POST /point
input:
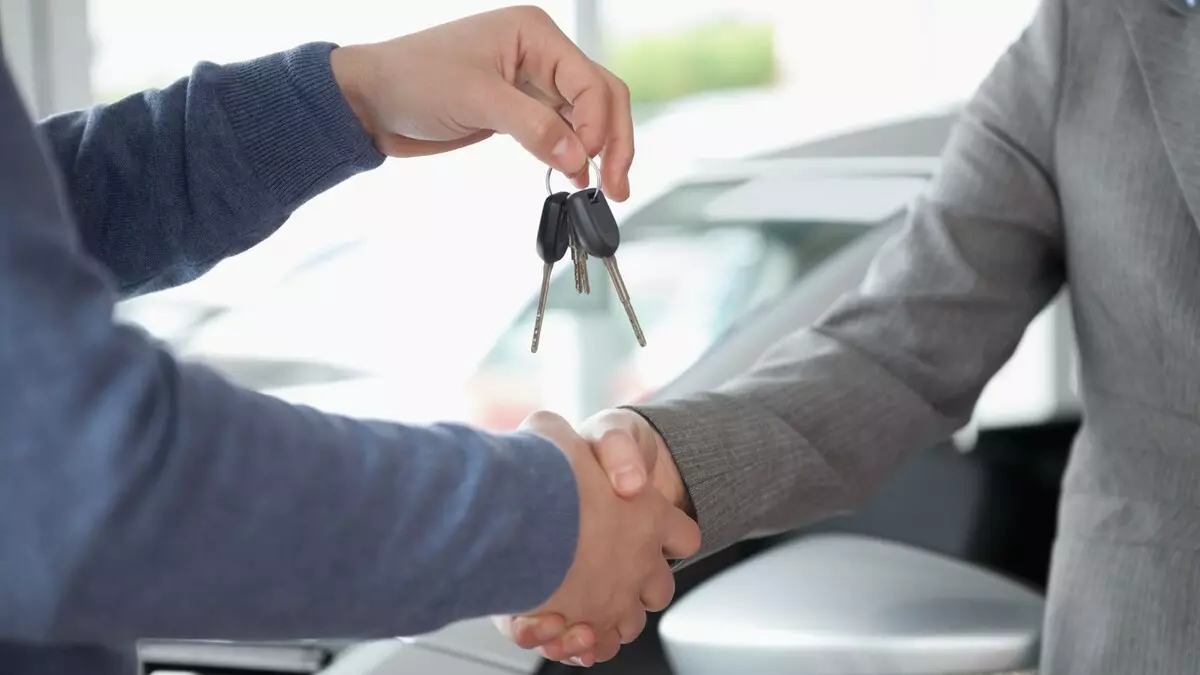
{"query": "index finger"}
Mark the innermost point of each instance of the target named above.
(557, 66)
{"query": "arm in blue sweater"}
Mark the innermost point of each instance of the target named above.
(142, 497)
(166, 183)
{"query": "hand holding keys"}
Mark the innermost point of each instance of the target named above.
(584, 222)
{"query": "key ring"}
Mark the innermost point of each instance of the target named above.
(591, 163)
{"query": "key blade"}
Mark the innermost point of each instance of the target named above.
(618, 283)
(576, 252)
(541, 308)
(583, 272)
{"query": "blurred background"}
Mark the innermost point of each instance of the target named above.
(407, 294)
(778, 145)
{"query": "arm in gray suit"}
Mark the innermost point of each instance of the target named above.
(830, 411)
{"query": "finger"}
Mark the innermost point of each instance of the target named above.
(623, 461)
(579, 640)
(629, 628)
(586, 661)
(607, 646)
(618, 147)
(554, 64)
(554, 101)
(624, 448)
(528, 632)
(658, 590)
(545, 421)
(681, 534)
(537, 127)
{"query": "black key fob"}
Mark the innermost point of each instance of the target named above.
(554, 229)
(594, 223)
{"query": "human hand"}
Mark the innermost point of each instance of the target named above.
(633, 455)
(620, 568)
(509, 71)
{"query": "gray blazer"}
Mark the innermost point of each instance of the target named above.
(1077, 162)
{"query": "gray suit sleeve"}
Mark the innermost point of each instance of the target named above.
(899, 364)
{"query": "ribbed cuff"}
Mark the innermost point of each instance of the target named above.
(293, 124)
(694, 431)
(809, 433)
(741, 467)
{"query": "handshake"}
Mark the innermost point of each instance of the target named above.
(627, 535)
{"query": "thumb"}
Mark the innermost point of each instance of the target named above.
(537, 127)
(624, 449)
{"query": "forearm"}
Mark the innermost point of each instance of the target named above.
(813, 429)
(140, 497)
(166, 183)
(808, 434)
(200, 510)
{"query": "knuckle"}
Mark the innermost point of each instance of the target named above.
(620, 89)
(542, 418)
(616, 441)
(530, 13)
(553, 651)
(546, 128)
(526, 640)
(658, 595)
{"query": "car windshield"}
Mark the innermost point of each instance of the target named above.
(690, 281)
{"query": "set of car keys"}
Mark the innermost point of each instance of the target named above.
(584, 223)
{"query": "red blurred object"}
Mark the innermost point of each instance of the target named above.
(501, 401)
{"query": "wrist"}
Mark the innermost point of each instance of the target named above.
(668, 480)
(352, 72)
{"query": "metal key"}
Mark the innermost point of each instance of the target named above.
(579, 255)
(580, 258)
(594, 224)
(553, 237)
(576, 255)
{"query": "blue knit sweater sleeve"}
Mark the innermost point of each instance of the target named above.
(143, 497)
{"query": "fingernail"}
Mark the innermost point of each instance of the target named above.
(576, 661)
(577, 644)
(560, 148)
(628, 479)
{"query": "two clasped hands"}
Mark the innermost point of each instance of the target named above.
(632, 521)
(512, 71)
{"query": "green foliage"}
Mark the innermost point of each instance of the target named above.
(718, 55)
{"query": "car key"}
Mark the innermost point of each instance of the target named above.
(575, 254)
(594, 224)
(579, 257)
(553, 237)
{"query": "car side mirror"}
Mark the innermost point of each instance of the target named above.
(850, 605)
